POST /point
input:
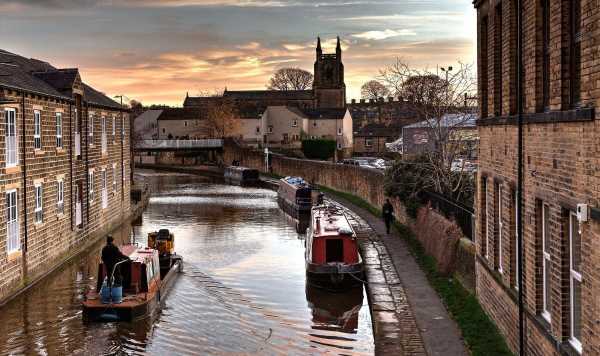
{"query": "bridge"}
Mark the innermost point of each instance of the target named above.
(178, 145)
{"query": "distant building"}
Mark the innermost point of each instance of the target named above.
(64, 167)
(394, 112)
(183, 123)
(145, 126)
(423, 136)
(371, 139)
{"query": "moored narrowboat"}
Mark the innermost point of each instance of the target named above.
(294, 197)
(241, 176)
(332, 257)
(146, 279)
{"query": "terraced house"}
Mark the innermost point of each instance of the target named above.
(64, 153)
(560, 94)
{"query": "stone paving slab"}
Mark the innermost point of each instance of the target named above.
(408, 316)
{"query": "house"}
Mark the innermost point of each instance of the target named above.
(372, 139)
(560, 78)
(64, 168)
(180, 123)
(452, 128)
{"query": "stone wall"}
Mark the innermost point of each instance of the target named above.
(438, 235)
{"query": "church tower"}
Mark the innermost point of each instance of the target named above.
(328, 86)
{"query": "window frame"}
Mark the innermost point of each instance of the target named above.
(59, 130)
(12, 241)
(574, 275)
(37, 130)
(60, 196)
(546, 53)
(295, 123)
(340, 131)
(114, 182)
(91, 193)
(575, 53)
(517, 251)
(546, 264)
(500, 228)
(8, 114)
(91, 127)
(39, 203)
(369, 142)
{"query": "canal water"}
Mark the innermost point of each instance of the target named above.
(242, 291)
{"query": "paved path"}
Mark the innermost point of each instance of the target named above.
(439, 333)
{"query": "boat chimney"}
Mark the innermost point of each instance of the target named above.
(318, 225)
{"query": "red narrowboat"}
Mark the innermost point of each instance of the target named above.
(332, 256)
(146, 279)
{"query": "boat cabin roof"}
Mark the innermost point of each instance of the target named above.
(331, 222)
(138, 254)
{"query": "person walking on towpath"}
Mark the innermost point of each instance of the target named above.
(388, 215)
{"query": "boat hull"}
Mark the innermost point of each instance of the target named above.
(335, 276)
(144, 305)
(299, 213)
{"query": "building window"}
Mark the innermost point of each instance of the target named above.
(486, 219)
(545, 54)
(91, 128)
(164, 131)
(500, 226)
(575, 51)
(91, 186)
(10, 133)
(339, 146)
(483, 31)
(39, 213)
(12, 222)
(103, 190)
(37, 130)
(60, 197)
(368, 142)
(257, 130)
(294, 123)
(339, 131)
(315, 123)
(546, 263)
(114, 127)
(516, 241)
(122, 126)
(103, 134)
(124, 172)
(270, 130)
(498, 60)
(575, 282)
(59, 130)
(114, 175)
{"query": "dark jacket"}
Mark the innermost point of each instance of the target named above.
(110, 256)
(388, 211)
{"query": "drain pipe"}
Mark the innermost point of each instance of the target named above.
(25, 232)
(522, 350)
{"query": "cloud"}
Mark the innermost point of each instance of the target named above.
(382, 35)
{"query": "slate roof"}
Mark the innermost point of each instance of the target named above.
(270, 94)
(450, 120)
(379, 130)
(181, 114)
(39, 77)
(324, 114)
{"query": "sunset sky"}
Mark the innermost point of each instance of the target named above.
(157, 50)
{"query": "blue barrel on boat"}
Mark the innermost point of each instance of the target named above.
(112, 295)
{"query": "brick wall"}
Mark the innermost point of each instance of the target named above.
(560, 153)
(45, 244)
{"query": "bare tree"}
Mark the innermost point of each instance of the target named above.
(222, 117)
(290, 79)
(442, 103)
(374, 90)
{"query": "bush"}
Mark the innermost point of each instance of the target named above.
(318, 149)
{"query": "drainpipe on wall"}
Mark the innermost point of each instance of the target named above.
(87, 162)
(522, 350)
(25, 232)
(70, 151)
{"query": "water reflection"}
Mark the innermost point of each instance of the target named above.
(242, 290)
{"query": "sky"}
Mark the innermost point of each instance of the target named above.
(156, 51)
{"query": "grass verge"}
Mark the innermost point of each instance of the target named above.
(479, 332)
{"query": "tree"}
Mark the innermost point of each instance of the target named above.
(290, 79)
(222, 117)
(374, 90)
(443, 105)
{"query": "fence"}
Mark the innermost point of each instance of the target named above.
(463, 215)
(178, 144)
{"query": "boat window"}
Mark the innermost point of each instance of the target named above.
(335, 250)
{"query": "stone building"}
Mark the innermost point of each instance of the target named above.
(371, 139)
(182, 123)
(64, 168)
(561, 89)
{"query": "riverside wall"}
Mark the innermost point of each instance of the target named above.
(439, 236)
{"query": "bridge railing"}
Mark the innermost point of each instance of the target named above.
(178, 144)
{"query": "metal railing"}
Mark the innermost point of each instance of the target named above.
(179, 144)
(462, 214)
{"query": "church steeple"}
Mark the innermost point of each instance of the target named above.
(319, 50)
(338, 49)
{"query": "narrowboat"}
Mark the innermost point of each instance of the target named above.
(147, 277)
(241, 176)
(332, 257)
(294, 197)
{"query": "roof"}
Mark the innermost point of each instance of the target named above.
(379, 130)
(450, 120)
(197, 100)
(324, 114)
(39, 77)
(180, 114)
(270, 94)
(143, 123)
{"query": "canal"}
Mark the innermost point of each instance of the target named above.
(243, 287)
